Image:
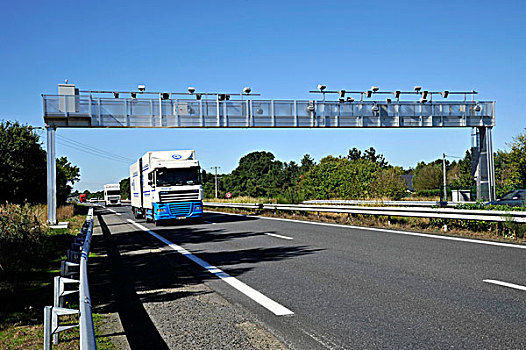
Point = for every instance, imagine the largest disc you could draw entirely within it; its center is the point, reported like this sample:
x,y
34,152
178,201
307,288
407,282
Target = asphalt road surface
x,y
323,286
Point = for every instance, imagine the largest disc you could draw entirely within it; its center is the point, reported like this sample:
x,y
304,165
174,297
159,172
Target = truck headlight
x,y
198,207
161,210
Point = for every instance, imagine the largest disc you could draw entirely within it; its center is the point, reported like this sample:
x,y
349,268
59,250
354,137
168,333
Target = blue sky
x,y
280,49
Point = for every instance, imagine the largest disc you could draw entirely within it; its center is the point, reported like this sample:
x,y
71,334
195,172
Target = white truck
x,y
166,185
112,194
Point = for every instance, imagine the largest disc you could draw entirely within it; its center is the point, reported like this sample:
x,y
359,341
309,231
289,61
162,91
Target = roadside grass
x,y
32,336
504,231
27,285
242,199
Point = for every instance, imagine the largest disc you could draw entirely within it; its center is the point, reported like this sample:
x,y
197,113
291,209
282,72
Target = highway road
x,y
323,286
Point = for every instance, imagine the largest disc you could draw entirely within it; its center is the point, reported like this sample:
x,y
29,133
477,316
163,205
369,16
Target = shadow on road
x,y
113,286
130,267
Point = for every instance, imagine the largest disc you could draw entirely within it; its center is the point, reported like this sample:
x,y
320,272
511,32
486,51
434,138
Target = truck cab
x,y
112,194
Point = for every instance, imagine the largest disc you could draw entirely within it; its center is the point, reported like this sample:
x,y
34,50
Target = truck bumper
x,y
177,210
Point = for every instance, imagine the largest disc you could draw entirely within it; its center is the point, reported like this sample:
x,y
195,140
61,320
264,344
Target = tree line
x,y
360,175
23,175
510,170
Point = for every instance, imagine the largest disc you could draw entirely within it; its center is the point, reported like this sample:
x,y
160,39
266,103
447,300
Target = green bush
x,y
291,195
352,179
428,193
21,237
479,205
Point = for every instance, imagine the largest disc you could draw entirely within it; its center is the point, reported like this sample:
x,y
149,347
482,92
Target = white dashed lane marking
x,y
506,284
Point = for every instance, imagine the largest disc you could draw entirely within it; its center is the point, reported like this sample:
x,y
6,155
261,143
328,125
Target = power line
x,y
98,150
100,155
92,150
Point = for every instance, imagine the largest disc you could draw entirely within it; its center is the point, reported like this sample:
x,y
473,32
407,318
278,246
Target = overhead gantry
x,y
74,108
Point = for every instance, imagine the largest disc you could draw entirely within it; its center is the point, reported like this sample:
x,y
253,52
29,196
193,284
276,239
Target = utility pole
x,y
215,170
444,175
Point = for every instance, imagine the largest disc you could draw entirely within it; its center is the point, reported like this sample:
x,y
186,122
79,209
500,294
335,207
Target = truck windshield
x,y
113,193
178,177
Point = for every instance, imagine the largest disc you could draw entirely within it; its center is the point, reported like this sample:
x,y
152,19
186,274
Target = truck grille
x,y
178,196
180,209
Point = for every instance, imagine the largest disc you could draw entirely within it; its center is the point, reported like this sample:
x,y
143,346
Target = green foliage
x,y
98,194
517,158
291,195
427,176
21,236
351,179
67,174
508,228
510,166
389,183
428,193
208,181
479,205
306,164
459,174
125,188
23,170
369,154
259,174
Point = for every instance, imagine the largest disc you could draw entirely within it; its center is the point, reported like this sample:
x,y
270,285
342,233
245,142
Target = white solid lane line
x,y
258,297
506,284
276,235
416,234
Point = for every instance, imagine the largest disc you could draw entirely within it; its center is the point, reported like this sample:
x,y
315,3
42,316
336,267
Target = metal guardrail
x,y
379,202
87,329
438,213
75,265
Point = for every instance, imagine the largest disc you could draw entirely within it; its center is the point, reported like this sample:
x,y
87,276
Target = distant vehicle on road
x,y
82,198
515,198
166,185
112,194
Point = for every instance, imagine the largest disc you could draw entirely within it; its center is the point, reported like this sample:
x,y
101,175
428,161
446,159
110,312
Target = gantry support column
x,y
483,164
51,177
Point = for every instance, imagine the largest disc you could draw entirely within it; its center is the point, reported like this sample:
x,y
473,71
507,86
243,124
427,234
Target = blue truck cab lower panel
x,y
175,210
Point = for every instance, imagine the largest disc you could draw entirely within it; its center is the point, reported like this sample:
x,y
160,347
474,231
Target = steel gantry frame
x,y
72,108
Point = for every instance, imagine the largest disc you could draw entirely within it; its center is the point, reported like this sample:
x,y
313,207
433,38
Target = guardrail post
x,y
47,327
68,269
